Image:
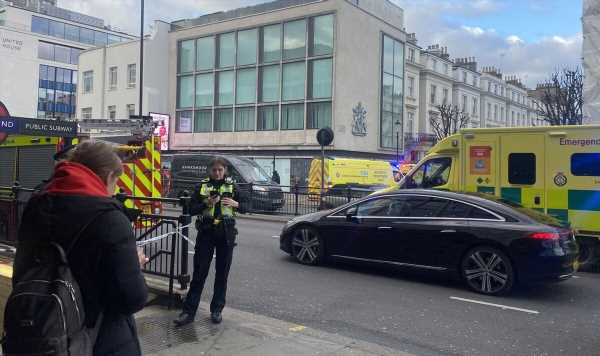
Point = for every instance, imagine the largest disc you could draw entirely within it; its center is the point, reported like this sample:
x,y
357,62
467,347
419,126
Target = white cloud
x,y
475,31
514,40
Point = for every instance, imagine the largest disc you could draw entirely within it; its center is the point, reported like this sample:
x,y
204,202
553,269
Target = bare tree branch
x,y
449,121
561,101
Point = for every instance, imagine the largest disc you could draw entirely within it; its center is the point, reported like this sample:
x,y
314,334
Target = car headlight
x,y
259,188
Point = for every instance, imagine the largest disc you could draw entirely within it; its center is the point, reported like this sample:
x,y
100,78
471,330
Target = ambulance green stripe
x,y
512,194
584,200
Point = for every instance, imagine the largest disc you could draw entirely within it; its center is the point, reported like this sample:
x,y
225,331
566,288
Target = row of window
x,y
522,166
499,90
261,118
58,53
520,117
271,83
266,44
57,96
113,77
392,78
112,111
73,33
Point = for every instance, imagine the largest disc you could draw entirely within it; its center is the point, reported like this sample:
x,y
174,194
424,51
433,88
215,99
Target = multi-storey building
x,y
466,94
435,85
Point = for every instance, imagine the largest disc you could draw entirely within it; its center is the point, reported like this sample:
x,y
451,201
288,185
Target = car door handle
x,y
384,228
448,231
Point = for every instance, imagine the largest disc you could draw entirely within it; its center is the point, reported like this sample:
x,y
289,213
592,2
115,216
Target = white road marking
x,y
275,236
576,277
505,307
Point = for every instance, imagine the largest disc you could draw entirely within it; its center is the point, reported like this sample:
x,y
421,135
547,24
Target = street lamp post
x,y
398,141
141,89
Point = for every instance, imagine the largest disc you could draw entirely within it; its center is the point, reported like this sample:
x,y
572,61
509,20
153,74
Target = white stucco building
x,y
435,85
466,93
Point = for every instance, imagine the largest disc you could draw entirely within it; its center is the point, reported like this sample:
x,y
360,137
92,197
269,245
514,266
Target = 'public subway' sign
x,y
38,127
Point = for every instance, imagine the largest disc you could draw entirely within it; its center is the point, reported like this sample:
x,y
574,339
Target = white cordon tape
x,y
160,237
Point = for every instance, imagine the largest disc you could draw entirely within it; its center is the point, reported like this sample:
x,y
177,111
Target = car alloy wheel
x,y
488,271
307,246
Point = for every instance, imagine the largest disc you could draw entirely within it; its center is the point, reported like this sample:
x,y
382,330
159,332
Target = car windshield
x,y
251,171
531,213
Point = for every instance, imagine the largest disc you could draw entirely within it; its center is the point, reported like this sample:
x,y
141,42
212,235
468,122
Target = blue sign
x,y
38,127
9,125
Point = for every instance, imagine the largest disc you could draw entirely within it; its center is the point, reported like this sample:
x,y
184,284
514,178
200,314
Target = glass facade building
x,y
65,31
57,93
392,79
273,77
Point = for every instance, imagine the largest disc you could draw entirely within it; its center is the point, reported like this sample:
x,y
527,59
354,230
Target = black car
x,y
488,244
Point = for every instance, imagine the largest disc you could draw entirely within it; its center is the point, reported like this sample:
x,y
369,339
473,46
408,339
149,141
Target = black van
x,y
255,186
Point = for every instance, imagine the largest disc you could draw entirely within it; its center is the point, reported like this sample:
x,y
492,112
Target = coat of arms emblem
x,y
359,121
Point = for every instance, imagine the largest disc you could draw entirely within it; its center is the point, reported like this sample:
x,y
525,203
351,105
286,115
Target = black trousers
x,y
206,243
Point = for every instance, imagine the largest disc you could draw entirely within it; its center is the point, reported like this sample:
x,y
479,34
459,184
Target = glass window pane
x,y
268,118
205,90
387,130
388,92
227,50
397,95
322,43
269,87
186,92
57,29
292,117
321,78
224,120
271,43
521,168
399,59
62,54
75,55
388,55
71,33
203,121
319,115
244,119
205,53
86,35
246,86
186,56
294,75
225,88
247,42
585,164
184,121
100,38
294,39
113,39
39,25
46,51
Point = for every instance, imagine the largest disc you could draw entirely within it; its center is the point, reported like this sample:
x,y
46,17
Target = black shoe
x,y
216,317
184,319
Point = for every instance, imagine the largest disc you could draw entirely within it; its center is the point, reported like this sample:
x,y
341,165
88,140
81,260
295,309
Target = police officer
x,y
215,203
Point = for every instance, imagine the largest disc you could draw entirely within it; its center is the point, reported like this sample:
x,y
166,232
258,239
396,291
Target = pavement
x,y
242,333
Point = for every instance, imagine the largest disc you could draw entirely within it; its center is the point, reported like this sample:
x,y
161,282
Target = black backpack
x,y
44,314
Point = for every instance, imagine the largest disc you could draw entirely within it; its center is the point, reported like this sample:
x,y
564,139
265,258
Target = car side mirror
x,y
351,215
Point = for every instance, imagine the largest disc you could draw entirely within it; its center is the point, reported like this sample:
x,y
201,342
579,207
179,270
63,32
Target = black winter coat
x,y
104,261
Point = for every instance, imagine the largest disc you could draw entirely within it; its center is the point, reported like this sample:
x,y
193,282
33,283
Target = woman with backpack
x,y
77,213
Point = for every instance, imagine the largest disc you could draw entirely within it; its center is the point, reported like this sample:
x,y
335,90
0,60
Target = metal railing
x,y
12,203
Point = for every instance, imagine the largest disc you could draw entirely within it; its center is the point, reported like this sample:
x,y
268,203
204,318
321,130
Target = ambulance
x,y
551,169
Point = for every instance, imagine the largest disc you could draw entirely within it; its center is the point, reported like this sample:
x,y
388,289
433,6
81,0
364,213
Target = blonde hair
x,y
98,156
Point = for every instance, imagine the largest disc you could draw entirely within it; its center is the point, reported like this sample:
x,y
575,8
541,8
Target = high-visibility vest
x,y
207,188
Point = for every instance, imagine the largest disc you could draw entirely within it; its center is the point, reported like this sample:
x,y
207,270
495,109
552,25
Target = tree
x,y
449,121
561,97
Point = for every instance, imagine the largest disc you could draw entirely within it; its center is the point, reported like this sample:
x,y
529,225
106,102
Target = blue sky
x,y
527,38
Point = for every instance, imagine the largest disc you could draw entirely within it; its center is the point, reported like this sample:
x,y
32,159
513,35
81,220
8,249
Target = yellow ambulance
x,y
552,169
343,172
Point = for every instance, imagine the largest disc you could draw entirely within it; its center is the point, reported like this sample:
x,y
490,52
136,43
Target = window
x,y
75,55
186,56
205,90
268,118
502,91
375,207
432,98
184,122
226,50
113,39
130,110
446,68
205,53
388,55
112,112
489,111
434,65
203,121
464,75
474,108
225,87
410,123
502,113
392,91
271,44
445,96
86,113
489,87
88,81
46,51
131,74
56,29
411,87
322,35
585,164
433,173
411,54
495,112
474,81
244,119
223,120
294,39
321,78
455,210
62,54
423,207
185,92
319,115
246,86
292,117
40,25
269,83
86,35
521,168
100,38
112,78
464,103
247,47
294,75
496,89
